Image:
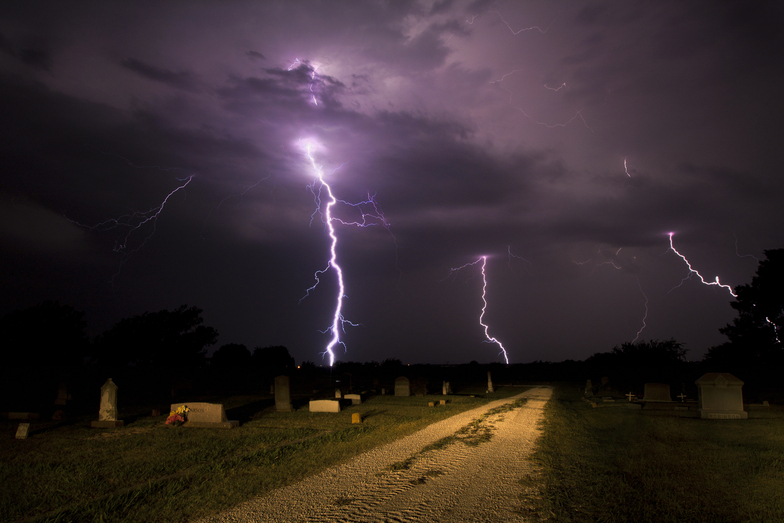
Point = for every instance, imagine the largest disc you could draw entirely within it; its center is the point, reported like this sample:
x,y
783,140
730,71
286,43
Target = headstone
x,y
489,383
338,394
356,399
22,431
356,417
631,396
443,389
107,412
206,415
443,402
62,394
682,396
721,396
402,386
23,415
657,392
588,389
282,394
324,406
431,403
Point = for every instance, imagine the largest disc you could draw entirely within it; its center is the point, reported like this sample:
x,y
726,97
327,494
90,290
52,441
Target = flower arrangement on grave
x,y
179,416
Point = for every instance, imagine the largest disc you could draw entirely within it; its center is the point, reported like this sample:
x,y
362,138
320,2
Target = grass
x,y
617,465
147,471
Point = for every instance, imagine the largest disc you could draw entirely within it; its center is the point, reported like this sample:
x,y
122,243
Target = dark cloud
x,y
184,80
578,149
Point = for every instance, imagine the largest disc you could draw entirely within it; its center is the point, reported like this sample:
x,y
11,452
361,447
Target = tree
x,y
755,335
231,354
275,357
165,338
45,334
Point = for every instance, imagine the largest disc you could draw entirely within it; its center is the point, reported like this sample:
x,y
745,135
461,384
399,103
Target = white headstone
x,y
107,412
338,394
324,406
721,396
356,399
489,383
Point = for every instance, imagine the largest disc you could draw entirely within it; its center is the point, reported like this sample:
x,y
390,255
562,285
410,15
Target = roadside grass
x,y
147,471
618,465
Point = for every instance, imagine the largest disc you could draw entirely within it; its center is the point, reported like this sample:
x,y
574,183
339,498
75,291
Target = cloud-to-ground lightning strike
x,y
646,312
692,271
626,168
376,217
490,339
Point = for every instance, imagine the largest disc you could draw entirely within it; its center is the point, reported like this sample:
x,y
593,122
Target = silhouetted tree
x,y
277,357
632,364
165,338
755,336
231,354
45,334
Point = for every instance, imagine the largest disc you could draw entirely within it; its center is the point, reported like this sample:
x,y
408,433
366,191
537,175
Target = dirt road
x,y
457,482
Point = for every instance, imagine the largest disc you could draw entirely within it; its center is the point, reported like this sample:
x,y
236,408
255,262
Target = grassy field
x,y
612,464
147,471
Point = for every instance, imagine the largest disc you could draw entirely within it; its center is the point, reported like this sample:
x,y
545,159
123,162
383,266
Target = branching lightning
x,y
489,339
524,28
367,218
134,222
692,271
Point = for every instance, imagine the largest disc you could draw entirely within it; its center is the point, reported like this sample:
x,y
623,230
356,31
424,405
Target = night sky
x,y
573,135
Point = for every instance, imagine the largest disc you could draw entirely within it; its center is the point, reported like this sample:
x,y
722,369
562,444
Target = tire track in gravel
x,y
456,482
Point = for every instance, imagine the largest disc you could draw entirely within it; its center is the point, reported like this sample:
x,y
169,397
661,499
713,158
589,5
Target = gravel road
x,y
454,483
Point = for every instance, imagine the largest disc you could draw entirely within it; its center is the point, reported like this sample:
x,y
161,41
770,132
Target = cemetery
x,y
297,417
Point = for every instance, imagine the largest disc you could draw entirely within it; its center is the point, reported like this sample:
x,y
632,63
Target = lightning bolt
x,y
646,312
626,168
555,88
133,222
489,339
524,28
692,271
373,216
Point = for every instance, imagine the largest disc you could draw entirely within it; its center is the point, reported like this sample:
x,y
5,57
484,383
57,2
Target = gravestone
x,y
282,394
657,392
206,415
23,415
489,383
443,402
356,399
631,396
588,389
431,403
356,417
62,394
107,412
402,386
721,396
443,389
324,406
22,431
338,394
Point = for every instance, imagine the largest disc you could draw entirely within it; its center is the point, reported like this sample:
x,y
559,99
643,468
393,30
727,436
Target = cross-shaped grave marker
x,y
682,396
630,396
